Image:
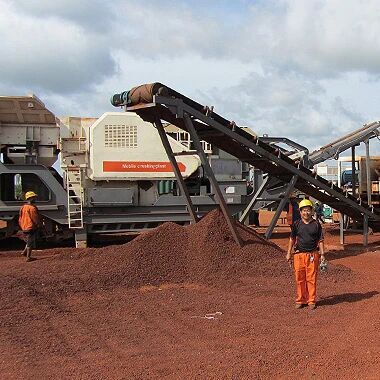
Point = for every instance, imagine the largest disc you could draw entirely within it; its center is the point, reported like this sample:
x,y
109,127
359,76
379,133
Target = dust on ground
x,y
187,302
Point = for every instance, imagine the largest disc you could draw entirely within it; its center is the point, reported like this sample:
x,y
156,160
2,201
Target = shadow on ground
x,y
349,250
346,297
17,244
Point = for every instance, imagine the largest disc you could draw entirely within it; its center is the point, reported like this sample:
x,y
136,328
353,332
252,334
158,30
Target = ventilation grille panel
x,y
120,136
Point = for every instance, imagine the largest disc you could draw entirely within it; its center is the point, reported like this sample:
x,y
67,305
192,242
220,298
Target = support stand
x,y
341,228
211,176
353,171
368,173
80,236
281,206
365,231
177,171
254,200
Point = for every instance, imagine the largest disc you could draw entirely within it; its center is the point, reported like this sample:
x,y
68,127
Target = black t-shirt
x,y
306,235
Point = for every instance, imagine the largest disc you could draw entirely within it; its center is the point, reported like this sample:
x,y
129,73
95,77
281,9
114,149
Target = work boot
x,y
312,306
28,254
299,305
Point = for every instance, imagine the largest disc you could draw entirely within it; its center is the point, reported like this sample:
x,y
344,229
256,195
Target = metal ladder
x,y
74,197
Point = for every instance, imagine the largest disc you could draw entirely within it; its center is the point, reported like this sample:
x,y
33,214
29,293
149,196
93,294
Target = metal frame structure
x,y
367,196
54,208
29,134
202,155
204,124
332,150
177,171
286,169
210,174
353,139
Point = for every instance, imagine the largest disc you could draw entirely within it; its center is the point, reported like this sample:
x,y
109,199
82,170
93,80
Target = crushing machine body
x,y
116,176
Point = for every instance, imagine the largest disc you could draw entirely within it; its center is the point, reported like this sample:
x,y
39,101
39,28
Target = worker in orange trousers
x,y
29,221
306,249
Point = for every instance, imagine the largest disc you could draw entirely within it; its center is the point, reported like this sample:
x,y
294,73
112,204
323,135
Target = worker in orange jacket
x,y
29,221
307,240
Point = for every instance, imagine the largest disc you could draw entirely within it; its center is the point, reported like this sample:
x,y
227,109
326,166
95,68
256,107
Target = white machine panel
x,y
123,146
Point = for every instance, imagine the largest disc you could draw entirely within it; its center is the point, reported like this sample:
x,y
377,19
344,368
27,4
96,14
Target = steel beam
x,y
211,176
255,147
353,170
277,159
341,228
368,173
177,171
365,231
254,200
333,149
292,183
251,149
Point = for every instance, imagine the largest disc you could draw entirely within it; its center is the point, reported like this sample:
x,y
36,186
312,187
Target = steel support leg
x,y
368,173
254,200
177,171
341,228
353,171
80,238
210,174
365,231
369,192
281,206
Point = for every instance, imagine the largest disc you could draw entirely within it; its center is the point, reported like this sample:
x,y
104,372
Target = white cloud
x,y
92,15
321,38
308,70
189,73
290,104
47,55
151,30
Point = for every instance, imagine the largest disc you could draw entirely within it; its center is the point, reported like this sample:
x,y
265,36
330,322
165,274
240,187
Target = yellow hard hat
x,y
305,203
30,194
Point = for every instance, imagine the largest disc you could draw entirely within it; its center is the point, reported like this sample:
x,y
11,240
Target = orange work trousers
x,y
306,270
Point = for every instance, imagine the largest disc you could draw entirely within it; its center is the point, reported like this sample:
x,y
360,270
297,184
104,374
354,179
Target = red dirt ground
x,y
187,303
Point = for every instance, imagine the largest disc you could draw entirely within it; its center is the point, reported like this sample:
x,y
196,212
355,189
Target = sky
x,y
308,70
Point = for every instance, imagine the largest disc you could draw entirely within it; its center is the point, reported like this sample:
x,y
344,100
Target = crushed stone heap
x,y
202,253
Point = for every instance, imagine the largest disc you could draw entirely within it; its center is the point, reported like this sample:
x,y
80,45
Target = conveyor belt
x,y
350,140
213,128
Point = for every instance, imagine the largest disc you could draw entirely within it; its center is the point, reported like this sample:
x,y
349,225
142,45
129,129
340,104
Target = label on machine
x,y
140,166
